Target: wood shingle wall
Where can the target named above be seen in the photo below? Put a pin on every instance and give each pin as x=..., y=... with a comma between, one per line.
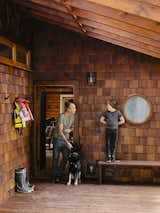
x=120, y=73
x=14, y=149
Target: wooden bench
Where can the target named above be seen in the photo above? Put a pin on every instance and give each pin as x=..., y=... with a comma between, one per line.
x=126, y=163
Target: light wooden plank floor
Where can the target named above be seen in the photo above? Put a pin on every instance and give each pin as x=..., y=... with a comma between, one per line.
x=85, y=198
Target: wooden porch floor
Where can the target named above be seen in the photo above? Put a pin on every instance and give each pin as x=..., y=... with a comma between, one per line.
x=85, y=198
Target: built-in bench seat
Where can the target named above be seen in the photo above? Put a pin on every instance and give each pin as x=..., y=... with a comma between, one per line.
x=128, y=163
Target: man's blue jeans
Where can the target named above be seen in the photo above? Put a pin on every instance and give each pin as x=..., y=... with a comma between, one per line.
x=60, y=146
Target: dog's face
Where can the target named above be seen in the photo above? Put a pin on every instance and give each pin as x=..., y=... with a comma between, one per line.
x=74, y=162
x=74, y=157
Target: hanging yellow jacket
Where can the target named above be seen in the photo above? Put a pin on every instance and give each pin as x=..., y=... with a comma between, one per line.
x=18, y=123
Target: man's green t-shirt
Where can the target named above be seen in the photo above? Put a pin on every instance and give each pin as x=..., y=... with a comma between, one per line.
x=67, y=121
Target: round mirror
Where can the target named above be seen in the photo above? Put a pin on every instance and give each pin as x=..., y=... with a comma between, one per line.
x=137, y=110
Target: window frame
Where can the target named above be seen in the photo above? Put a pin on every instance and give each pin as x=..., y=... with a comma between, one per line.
x=13, y=62
x=147, y=117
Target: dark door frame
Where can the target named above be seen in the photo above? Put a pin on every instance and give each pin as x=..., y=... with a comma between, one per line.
x=38, y=89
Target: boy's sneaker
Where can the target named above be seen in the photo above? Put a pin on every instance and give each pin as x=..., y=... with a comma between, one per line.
x=108, y=160
x=113, y=158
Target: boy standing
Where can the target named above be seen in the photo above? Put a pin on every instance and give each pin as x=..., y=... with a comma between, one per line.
x=112, y=118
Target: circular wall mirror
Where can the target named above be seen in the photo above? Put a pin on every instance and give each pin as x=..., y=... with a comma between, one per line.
x=137, y=109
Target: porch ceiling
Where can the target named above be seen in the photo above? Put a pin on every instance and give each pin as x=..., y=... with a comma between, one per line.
x=133, y=24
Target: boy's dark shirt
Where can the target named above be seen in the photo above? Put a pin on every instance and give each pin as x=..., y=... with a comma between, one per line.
x=112, y=119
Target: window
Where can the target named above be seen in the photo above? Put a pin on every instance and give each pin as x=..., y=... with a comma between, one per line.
x=21, y=55
x=63, y=99
x=13, y=54
x=137, y=109
x=5, y=51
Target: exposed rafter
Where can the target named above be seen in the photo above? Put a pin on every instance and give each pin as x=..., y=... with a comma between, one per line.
x=71, y=12
x=117, y=21
x=145, y=9
x=122, y=16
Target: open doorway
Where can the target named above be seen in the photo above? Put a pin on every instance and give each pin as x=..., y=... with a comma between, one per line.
x=49, y=102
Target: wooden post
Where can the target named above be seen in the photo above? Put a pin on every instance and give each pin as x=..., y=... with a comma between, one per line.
x=99, y=173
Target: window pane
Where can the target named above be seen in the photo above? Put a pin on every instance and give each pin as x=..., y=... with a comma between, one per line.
x=21, y=55
x=137, y=109
x=5, y=51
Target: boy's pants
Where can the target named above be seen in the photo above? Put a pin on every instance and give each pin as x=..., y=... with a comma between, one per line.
x=111, y=143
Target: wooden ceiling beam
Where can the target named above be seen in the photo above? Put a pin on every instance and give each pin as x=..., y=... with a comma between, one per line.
x=117, y=24
x=41, y=11
x=124, y=44
x=98, y=9
x=134, y=7
x=62, y=12
x=97, y=23
x=154, y=2
x=107, y=36
x=125, y=40
x=36, y=4
x=57, y=22
x=73, y=15
x=68, y=15
x=53, y=13
x=119, y=32
x=58, y=5
x=121, y=41
x=115, y=14
x=45, y=3
x=53, y=18
x=101, y=19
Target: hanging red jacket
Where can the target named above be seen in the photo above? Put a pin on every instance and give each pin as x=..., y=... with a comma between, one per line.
x=25, y=111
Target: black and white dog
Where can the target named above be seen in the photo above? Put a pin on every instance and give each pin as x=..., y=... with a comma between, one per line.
x=74, y=165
